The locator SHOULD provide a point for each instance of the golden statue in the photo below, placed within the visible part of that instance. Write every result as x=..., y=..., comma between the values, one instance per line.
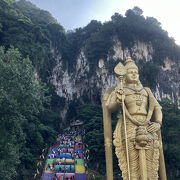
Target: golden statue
x=137, y=137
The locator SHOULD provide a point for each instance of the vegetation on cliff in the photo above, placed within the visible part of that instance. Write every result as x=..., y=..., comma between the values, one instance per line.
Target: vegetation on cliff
x=38, y=35
x=33, y=32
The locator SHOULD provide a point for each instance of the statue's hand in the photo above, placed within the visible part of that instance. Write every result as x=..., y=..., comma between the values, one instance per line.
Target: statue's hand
x=153, y=127
x=119, y=95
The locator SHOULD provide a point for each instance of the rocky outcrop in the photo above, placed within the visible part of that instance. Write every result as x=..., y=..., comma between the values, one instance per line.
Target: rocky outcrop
x=140, y=51
x=80, y=85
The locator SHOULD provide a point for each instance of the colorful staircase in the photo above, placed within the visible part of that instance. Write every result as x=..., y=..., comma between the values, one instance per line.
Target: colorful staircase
x=66, y=158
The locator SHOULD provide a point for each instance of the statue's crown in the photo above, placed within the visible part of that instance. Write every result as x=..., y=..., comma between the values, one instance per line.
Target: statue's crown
x=130, y=64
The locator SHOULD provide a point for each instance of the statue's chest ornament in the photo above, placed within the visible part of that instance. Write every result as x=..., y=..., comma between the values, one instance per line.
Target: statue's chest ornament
x=138, y=95
x=139, y=99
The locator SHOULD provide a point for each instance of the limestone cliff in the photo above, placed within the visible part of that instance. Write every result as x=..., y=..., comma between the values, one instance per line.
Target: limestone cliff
x=79, y=85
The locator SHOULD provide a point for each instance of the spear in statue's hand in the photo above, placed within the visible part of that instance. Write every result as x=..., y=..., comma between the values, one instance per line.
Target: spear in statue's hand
x=120, y=70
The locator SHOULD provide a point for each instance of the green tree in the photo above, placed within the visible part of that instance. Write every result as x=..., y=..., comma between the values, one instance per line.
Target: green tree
x=22, y=99
x=148, y=74
x=137, y=10
x=170, y=135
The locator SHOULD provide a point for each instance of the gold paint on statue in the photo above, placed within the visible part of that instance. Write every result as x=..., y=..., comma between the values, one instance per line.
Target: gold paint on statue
x=137, y=137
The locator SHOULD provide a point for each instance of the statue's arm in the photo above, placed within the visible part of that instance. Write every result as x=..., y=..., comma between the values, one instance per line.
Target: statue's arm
x=156, y=119
x=107, y=103
x=157, y=115
x=113, y=103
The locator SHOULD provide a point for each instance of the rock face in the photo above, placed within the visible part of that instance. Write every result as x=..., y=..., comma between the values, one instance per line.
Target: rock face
x=80, y=85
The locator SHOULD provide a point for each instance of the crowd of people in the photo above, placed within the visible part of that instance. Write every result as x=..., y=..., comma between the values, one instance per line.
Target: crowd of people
x=67, y=158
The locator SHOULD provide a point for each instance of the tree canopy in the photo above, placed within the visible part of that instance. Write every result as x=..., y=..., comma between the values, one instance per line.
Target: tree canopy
x=23, y=99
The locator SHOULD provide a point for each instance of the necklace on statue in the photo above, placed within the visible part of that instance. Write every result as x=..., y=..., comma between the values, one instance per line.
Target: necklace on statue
x=136, y=89
x=138, y=95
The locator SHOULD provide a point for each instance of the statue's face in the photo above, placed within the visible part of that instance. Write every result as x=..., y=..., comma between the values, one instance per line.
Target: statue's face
x=132, y=76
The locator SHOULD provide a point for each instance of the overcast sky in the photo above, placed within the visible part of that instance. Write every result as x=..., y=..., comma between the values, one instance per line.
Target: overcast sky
x=78, y=13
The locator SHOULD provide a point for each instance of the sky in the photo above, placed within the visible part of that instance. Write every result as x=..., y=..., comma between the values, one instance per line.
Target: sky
x=72, y=14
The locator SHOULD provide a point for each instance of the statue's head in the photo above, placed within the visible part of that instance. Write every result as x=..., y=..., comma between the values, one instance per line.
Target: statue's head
x=129, y=71
x=132, y=74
